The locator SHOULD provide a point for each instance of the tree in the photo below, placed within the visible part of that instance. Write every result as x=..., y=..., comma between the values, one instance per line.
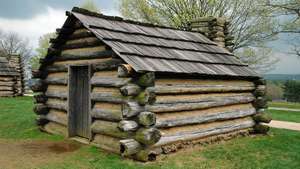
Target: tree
x=292, y=91
x=44, y=43
x=289, y=12
x=274, y=91
x=251, y=21
x=89, y=5
x=11, y=43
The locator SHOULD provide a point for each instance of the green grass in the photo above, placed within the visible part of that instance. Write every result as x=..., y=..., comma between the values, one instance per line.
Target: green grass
x=280, y=149
x=281, y=115
x=17, y=120
x=284, y=105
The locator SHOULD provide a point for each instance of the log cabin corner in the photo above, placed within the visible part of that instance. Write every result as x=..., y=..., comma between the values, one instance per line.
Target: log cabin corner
x=140, y=90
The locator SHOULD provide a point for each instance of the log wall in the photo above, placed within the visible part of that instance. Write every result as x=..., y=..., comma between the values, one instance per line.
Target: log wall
x=9, y=86
x=137, y=115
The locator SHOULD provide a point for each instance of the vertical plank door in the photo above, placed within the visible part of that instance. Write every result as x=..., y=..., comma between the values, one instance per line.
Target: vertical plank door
x=79, y=101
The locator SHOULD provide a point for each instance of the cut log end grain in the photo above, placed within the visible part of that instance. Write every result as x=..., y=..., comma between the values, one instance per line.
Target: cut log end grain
x=130, y=90
x=260, y=102
x=146, y=80
x=147, y=119
x=41, y=109
x=40, y=98
x=145, y=155
x=148, y=136
x=129, y=147
x=262, y=117
x=261, y=129
x=146, y=97
x=128, y=125
x=131, y=109
x=125, y=70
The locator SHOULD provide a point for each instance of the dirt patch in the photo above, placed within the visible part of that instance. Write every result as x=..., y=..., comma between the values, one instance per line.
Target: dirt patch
x=31, y=154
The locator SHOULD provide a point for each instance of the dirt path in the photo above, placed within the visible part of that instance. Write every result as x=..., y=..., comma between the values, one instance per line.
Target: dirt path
x=284, y=109
x=285, y=125
x=31, y=154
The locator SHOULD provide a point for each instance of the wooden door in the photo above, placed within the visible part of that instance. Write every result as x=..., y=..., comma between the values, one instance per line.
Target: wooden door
x=79, y=102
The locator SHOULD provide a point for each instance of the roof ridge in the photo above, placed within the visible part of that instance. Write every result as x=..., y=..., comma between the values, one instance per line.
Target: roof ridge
x=118, y=18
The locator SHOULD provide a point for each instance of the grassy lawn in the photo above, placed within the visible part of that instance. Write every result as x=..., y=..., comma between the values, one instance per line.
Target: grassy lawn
x=291, y=116
x=284, y=105
x=280, y=149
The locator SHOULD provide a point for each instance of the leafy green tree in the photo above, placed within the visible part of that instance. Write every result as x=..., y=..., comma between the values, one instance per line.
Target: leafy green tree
x=274, y=91
x=41, y=50
x=89, y=5
x=292, y=91
x=251, y=21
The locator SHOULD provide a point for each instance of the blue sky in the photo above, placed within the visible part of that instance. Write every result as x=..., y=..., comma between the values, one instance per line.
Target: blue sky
x=33, y=18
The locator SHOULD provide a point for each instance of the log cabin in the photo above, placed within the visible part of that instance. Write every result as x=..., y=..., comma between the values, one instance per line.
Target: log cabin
x=8, y=79
x=140, y=90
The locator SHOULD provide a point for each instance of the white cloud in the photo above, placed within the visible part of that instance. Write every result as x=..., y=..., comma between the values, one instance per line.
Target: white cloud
x=288, y=64
x=36, y=26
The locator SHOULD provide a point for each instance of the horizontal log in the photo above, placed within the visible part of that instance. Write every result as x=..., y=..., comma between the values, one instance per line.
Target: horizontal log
x=87, y=55
x=81, y=33
x=197, y=98
x=205, y=103
x=125, y=70
x=147, y=119
x=6, y=79
x=147, y=136
x=146, y=79
x=59, y=117
x=109, y=128
x=83, y=44
x=56, y=81
x=130, y=90
x=108, y=94
x=107, y=114
x=38, y=85
x=7, y=88
x=186, y=133
x=108, y=65
x=109, y=82
x=83, y=51
x=128, y=125
x=204, y=116
x=131, y=109
x=57, y=104
x=262, y=117
x=57, y=68
x=7, y=83
x=129, y=147
x=217, y=88
x=57, y=94
x=41, y=109
x=107, y=143
x=54, y=128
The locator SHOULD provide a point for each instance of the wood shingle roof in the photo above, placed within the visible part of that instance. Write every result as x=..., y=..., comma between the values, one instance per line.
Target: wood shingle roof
x=154, y=48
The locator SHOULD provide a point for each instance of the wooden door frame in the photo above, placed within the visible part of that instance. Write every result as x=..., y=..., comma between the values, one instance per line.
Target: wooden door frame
x=71, y=132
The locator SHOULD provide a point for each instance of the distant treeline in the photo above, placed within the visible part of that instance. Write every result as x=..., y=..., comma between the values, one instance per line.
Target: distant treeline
x=282, y=77
x=283, y=90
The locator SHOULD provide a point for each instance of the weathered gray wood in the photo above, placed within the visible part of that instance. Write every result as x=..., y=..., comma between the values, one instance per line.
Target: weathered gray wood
x=260, y=90
x=146, y=97
x=107, y=143
x=41, y=109
x=41, y=120
x=83, y=44
x=109, y=81
x=55, y=128
x=79, y=102
x=205, y=118
x=108, y=97
x=220, y=128
x=56, y=68
x=59, y=106
x=262, y=117
x=56, y=80
x=181, y=89
x=57, y=117
x=145, y=155
x=87, y=55
x=261, y=129
x=108, y=65
x=107, y=114
x=36, y=74
x=147, y=119
x=38, y=85
x=128, y=125
x=131, y=109
x=57, y=94
x=40, y=98
x=125, y=70
x=130, y=90
x=129, y=147
x=147, y=136
x=146, y=80
x=157, y=108
x=109, y=128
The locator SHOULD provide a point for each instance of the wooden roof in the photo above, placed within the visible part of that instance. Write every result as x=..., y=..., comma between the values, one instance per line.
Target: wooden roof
x=155, y=48
x=6, y=69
